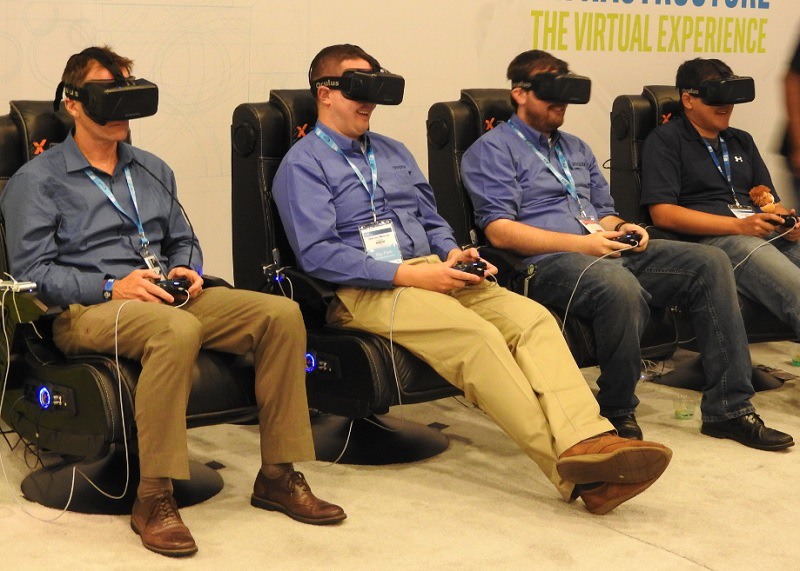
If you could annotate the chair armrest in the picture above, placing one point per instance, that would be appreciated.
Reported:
(214, 281)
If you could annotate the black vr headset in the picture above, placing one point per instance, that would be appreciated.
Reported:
(117, 99)
(558, 87)
(724, 91)
(376, 86)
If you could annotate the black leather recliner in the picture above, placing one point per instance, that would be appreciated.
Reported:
(452, 127)
(351, 374)
(88, 431)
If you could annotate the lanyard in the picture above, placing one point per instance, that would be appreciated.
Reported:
(107, 191)
(373, 167)
(726, 162)
(569, 182)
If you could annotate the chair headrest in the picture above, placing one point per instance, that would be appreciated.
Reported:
(493, 106)
(666, 102)
(300, 110)
(39, 126)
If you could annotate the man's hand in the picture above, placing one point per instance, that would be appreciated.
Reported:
(794, 234)
(469, 256)
(644, 237)
(599, 244)
(757, 224)
(195, 281)
(140, 284)
(441, 277)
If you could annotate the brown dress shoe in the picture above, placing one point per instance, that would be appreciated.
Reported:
(609, 458)
(606, 497)
(158, 523)
(289, 493)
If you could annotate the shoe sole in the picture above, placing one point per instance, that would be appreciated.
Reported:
(611, 504)
(623, 466)
(263, 504)
(168, 552)
(727, 436)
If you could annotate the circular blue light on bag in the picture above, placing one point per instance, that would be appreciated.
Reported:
(44, 397)
(311, 362)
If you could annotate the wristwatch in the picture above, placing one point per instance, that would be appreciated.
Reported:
(108, 285)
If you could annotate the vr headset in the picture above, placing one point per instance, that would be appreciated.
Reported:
(377, 86)
(725, 91)
(558, 87)
(118, 99)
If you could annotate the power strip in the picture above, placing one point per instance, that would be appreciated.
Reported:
(17, 287)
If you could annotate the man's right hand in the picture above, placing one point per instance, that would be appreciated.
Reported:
(439, 277)
(139, 284)
(757, 224)
(599, 244)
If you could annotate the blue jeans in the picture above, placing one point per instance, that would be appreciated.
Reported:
(614, 295)
(771, 275)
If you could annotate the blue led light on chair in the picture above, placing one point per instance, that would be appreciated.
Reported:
(44, 397)
(311, 362)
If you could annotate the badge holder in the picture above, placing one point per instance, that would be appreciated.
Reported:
(380, 241)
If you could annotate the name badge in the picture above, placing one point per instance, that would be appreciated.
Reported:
(380, 241)
(152, 261)
(591, 225)
(741, 211)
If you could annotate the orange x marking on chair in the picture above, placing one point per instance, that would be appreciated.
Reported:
(39, 146)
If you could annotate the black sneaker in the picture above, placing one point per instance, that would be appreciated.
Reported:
(750, 431)
(626, 426)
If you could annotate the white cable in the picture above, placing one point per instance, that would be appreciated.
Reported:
(344, 449)
(761, 246)
(566, 310)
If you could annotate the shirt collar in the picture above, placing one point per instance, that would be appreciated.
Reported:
(342, 141)
(536, 137)
(76, 161)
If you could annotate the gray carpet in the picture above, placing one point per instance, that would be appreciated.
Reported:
(479, 505)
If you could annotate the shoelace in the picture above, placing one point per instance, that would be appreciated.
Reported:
(296, 479)
(167, 510)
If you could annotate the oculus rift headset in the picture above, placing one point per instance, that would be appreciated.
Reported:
(118, 99)
(558, 87)
(375, 86)
(725, 90)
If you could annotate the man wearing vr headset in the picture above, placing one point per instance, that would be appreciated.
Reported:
(697, 174)
(539, 192)
(359, 213)
(93, 221)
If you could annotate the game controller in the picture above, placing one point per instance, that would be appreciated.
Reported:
(176, 287)
(477, 268)
(789, 221)
(631, 238)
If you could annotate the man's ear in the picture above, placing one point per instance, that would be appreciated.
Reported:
(686, 100)
(71, 106)
(518, 94)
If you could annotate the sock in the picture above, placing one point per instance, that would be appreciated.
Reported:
(153, 486)
(273, 471)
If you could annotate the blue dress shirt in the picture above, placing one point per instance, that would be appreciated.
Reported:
(63, 233)
(322, 203)
(507, 180)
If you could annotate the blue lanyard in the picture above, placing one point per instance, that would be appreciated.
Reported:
(107, 191)
(373, 167)
(569, 182)
(726, 162)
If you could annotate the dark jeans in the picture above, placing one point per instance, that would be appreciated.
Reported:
(614, 295)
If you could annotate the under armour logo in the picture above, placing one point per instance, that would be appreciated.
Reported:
(301, 131)
(489, 124)
(666, 118)
(39, 146)
(738, 159)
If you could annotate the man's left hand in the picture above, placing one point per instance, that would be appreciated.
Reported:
(635, 228)
(195, 281)
(468, 256)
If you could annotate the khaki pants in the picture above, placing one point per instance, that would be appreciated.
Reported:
(503, 350)
(166, 340)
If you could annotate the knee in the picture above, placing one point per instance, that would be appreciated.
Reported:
(280, 314)
(183, 332)
(618, 291)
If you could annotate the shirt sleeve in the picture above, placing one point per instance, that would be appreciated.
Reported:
(306, 208)
(600, 191)
(490, 178)
(661, 169)
(32, 218)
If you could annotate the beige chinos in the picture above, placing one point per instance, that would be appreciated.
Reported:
(503, 350)
(166, 340)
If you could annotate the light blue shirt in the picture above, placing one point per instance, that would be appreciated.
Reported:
(507, 180)
(322, 203)
(63, 233)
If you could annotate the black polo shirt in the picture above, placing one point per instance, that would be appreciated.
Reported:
(678, 169)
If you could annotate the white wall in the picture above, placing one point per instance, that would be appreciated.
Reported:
(209, 57)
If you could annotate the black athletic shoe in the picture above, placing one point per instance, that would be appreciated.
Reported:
(750, 431)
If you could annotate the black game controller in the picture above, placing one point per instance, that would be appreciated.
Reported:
(631, 238)
(477, 268)
(176, 287)
(789, 221)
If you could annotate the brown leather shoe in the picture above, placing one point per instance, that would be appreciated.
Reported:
(609, 458)
(289, 493)
(157, 521)
(606, 497)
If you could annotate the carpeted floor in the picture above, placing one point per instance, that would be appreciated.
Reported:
(479, 505)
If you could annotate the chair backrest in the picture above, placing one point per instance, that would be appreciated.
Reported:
(258, 236)
(633, 117)
(452, 127)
